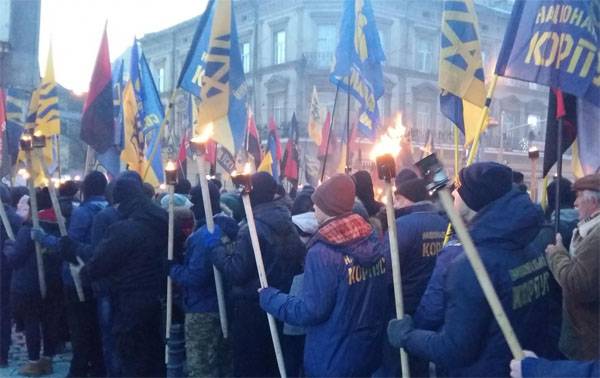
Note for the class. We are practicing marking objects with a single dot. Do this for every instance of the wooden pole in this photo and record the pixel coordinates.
(171, 236)
(337, 91)
(559, 161)
(262, 276)
(36, 224)
(397, 278)
(348, 163)
(74, 269)
(534, 179)
(89, 160)
(210, 225)
(481, 274)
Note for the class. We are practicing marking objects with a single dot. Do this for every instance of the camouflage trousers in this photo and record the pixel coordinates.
(208, 353)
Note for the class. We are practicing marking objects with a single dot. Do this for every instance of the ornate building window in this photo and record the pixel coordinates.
(279, 42)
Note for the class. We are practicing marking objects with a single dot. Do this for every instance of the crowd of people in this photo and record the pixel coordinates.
(327, 258)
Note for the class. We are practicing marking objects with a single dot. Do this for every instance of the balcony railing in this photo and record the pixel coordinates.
(321, 60)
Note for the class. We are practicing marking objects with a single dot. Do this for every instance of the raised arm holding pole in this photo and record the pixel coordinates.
(244, 181)
(200, 144)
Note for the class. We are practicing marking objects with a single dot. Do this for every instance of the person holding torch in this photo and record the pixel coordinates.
(343, 297)
(472, 340)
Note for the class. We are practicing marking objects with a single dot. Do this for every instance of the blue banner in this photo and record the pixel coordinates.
(358, 60)
(153, 114)
(554, 43)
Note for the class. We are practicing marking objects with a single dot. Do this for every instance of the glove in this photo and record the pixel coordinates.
(66, 250)
(209, 240)
(398, 330)
(46, 240)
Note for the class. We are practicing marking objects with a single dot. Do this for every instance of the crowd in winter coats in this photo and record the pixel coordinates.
(328, 264)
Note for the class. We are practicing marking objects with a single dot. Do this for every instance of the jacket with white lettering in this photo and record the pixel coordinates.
(470, 342)
(420, 238)
(341, 302)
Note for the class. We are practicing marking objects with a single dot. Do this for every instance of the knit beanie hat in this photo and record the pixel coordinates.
(264, 188)
(94, 184)
(483, 183)
(127, 186)
(198, 201)
(567, 195)
(336, 195)
(179, 200)
(404, 175)
(414, 190)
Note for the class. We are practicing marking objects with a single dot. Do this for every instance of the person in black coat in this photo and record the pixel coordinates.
(283, 253)
(133, 257)
(5, 276)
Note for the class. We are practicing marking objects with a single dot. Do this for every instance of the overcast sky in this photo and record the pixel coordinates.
(75, 28)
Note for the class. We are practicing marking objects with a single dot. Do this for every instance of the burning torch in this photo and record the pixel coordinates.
(171, 181)
(26, 145)
(244, 181)
(388, 149)
(199, 142)
(433, 173)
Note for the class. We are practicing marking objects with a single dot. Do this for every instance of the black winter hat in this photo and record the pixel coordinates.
(404, 175)
(94, 184)
(198, 202)
(483, 183)
(183, 186)
(264, 188)
(567, 195)
(128, 185)
(68, 189)
(414, 190)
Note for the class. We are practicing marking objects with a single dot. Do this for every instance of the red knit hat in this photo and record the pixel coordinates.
(336, 195)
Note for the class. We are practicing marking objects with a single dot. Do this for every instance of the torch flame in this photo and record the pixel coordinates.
(533, 149)
(23, 173)
(204, 135)
(170, 166)
(25, 137)
(389, 143)
(247, 168)
(37, 133)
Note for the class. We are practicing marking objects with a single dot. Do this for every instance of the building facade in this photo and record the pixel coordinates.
(288, 47)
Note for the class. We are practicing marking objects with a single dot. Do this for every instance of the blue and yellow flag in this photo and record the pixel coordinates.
(213, 73)
(554, 43)
(48, 116)
(461, 76)
(142, 116)
(269, 163)
(358, 60)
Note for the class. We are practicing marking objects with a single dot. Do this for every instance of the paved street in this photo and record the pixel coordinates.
(18, 357)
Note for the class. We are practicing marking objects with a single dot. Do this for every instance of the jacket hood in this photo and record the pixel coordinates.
(512, 221)
(142, 209)
(274, 214)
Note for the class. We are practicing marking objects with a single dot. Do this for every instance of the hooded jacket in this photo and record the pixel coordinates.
(542, 368)
(281, 248)
(195, 275)
(133, 255)
(470, 342)
(21, 256)
(341, 301)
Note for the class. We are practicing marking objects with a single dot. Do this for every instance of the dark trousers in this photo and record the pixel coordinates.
(138, 331)
(85, 336)
(109, 346)
(253, 354)
(5, 318)
(41, 318)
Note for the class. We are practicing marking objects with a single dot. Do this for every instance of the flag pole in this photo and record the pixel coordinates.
(559, 161)
(348, 166)
(161, 131)
(482, 120)
(456, 167)
(200, 145)
(337, 91)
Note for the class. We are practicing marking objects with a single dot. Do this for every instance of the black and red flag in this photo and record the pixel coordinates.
(98, 123)
(564, 105)
(253, 140)
(290, 163)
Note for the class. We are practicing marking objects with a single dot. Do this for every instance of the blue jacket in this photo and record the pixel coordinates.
(5, 269)
(470, 342)
(102, 221)
(430, 312)
(542, 368)
(420, 238)
(281, 248)
(21, 256)
(80, 230)
(340, 305)
(195, 275)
